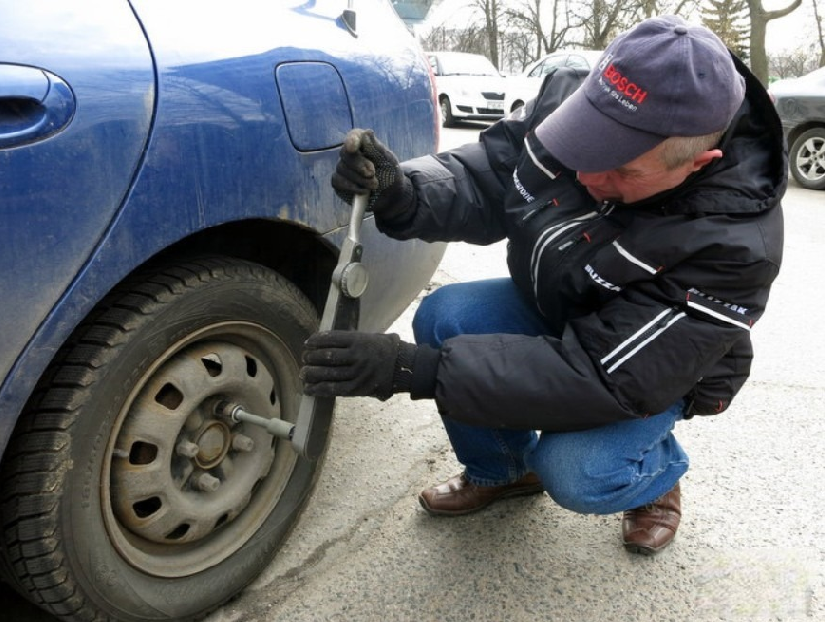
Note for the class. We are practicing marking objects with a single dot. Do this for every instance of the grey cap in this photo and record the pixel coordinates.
(662, 78)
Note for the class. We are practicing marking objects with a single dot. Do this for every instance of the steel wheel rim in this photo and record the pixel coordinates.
(161, 514)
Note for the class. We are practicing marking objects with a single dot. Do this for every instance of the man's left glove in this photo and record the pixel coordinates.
(350, 363)
(366, 165)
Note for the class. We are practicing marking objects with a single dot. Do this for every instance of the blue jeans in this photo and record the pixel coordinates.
(604, 470)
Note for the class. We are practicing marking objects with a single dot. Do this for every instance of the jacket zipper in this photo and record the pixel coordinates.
(550, 235)
(536, 211)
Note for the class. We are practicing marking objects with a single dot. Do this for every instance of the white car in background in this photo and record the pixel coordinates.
(525, 86)
(469, 87)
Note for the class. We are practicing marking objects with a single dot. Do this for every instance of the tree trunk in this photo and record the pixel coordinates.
(759, 18)
(821, 36)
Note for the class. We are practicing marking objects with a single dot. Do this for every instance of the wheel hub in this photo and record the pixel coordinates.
(213, 444)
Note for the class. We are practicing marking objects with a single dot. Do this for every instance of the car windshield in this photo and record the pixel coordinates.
(469, 65)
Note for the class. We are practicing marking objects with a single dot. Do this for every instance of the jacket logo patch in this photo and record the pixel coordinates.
(599, 280)
(728, 305)
(521, 189)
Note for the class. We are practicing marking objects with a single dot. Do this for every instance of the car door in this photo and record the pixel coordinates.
(70, 82)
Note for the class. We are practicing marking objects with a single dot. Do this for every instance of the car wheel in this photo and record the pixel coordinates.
(447, 118)
(126, 495)
(807, 159)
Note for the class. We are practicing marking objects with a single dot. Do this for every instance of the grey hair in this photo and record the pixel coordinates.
(678, 150)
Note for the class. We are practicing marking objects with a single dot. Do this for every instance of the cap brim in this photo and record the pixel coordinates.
(584, 139)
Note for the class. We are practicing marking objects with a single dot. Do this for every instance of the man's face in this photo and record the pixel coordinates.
(641, 178)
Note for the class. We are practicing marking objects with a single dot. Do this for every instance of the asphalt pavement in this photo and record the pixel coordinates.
(751, 546)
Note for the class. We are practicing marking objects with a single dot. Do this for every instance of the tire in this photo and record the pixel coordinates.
(106, 510)
(807, 158)
(447, 118)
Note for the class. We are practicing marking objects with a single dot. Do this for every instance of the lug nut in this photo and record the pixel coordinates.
(187, 449)
(205, 482)
(241, 442)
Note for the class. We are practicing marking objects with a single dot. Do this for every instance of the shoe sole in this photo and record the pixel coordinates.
(507, 495)
(638, 549)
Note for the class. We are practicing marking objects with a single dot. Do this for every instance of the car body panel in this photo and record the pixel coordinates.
(472, 83)
(193, 135)
(525, 86)
(800, 102)
(56, 204)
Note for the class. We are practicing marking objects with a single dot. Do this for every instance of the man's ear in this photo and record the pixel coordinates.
(705, 157)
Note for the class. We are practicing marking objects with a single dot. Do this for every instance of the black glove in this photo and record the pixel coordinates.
(366, 165)
(350, 363)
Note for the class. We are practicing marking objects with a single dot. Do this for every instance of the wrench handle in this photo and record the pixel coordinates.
(340, 313)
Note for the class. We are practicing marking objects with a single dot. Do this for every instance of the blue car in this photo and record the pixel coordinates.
(167, 240)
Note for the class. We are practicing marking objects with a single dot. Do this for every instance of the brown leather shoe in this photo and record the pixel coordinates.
(457, 496)
(649, 529)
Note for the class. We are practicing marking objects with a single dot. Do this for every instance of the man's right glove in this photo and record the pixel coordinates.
(366, 165)
(349, 362)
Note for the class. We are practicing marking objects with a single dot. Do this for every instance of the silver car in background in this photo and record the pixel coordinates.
(800, 103)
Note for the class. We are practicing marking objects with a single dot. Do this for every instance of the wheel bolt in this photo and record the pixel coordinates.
(187, 449)
(241, 442)
(205, 482)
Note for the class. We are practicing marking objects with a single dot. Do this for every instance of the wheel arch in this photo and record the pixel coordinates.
(800, 129)
(298, 254)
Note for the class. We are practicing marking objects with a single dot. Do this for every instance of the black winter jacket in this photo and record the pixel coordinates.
(645, 303)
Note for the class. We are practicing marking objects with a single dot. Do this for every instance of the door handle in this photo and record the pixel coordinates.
(34, 104)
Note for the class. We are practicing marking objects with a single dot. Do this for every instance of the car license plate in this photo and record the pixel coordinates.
(495, 105)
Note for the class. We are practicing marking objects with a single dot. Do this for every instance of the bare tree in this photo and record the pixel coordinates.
(470, 39)
(759, 18)
(819, 31)
(492, 12)
(790, 65)
(601, 20)
(528, 16)
(513, 33)
(517, 50)
(651, 8)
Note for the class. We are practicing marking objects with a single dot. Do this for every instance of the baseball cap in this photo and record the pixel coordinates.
(662, 78)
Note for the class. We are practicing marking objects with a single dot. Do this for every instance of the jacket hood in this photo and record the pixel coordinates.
(752, 174)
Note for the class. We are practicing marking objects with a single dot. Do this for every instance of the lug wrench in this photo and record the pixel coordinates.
(349, 281)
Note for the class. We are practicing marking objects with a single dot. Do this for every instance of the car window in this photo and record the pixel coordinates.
(467, 65)
(579, 62)
(536, 71)
(551, 63)
(412, 11)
